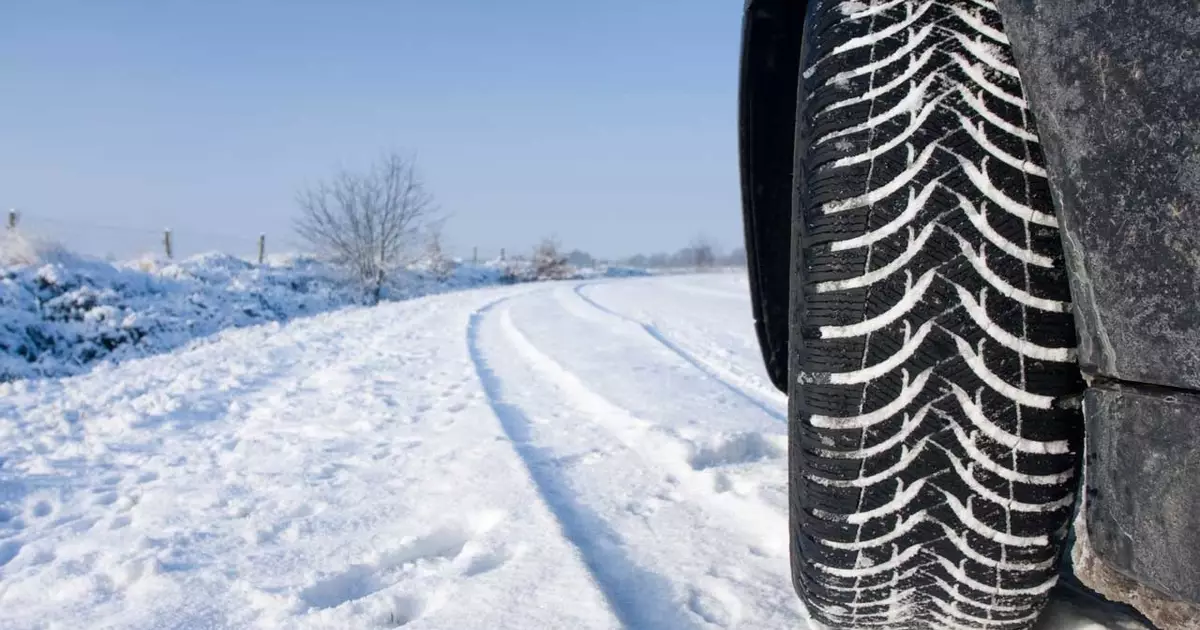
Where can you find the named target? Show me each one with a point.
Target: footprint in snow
(734, 449)
(9, 550)
(328, 471)
(644, 508)
(590, 456)
(41, 509)
(147, 477)
(486, 561)
(361, 580)
(405, 609)
(715, 604)
(303, 510)
(42, 556)
(106, 498)
(761, 552)
(79, 524)
(431, 551)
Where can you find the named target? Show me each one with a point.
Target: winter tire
(933, 452)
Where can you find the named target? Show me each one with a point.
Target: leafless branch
(368, 222)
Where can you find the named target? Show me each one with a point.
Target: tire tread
(949, 448)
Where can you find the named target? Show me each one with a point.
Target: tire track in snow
(637, 597)
(739, 532)
(713, 372)
(673, 455)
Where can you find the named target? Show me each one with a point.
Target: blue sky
(609, 124)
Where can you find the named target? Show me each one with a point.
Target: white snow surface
(585, 455)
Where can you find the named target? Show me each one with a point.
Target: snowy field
(577, 455)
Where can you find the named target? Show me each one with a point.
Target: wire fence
(116, 241)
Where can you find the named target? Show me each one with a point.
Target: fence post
(501, 253)
(262, 247)
(12, 219)
(474, 255)
(167, 241)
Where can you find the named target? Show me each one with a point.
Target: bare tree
(548, 261)
(367, 222)
(440, 264)
(579, 258)
(702, 252)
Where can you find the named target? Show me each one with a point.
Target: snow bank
(60, 316)
(60, 313)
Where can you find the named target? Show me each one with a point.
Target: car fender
(766, 117)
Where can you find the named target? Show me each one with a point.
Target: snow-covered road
(606, 454)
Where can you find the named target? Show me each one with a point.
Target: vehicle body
(1115, 88)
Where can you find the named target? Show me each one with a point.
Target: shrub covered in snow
(18, 248)
(549, 264)
(435, 260)
(60, 313)
(58, 317)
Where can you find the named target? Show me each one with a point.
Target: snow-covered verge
(584, 455)
(60, 314)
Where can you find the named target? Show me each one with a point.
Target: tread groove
(932, 471)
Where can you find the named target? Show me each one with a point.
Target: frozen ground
(584, 455)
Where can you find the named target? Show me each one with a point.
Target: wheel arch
(771, 38)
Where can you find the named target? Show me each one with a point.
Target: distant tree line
(701, 253)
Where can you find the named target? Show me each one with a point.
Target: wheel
(933, 451)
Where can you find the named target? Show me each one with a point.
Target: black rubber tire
(933, 446)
